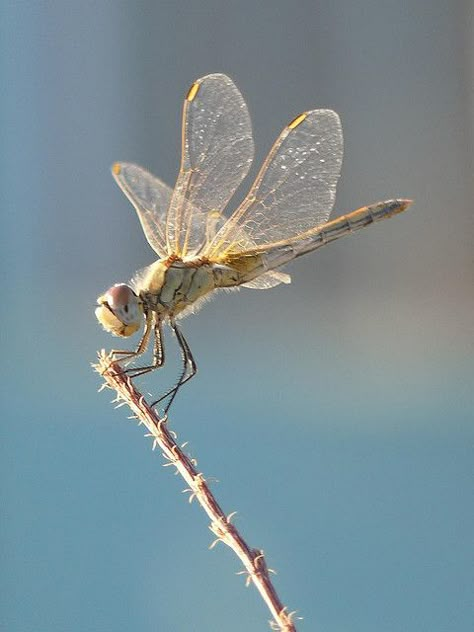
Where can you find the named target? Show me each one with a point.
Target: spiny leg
(158, 354)
(142, 345)
(141, 348)
(189, 367)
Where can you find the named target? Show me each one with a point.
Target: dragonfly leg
(126, 354)
(188, 372)
(158, 355)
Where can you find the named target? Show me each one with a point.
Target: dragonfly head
(120, 311)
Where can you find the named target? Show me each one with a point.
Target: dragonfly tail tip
(405, 203)
(399, 205)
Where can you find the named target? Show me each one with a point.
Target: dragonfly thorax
(170, 288)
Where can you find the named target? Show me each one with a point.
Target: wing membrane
(294, 191)
(267, 280)
(150, 197)
(217, 152)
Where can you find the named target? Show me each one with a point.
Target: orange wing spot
(193, 90)
(297, 121)
(116, 169)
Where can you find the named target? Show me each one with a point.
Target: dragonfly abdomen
(325, 234)
(240, 269)
(360, 219)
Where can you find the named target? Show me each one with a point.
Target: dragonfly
(201, 250)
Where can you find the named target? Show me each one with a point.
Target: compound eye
(123, 302)
(120, 296)
(120, 311)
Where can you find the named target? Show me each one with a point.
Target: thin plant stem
(252, 559)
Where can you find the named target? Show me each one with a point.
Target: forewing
(217, 151)
(150, 197)
(295, 189)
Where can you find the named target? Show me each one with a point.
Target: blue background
(336, 412)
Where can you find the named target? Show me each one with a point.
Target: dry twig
(221, 525)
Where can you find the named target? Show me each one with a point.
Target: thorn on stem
(175, 452)
(230, 516)
(162, 421)
(292, 615)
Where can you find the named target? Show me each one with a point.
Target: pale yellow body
(171, 287)
(283, 216)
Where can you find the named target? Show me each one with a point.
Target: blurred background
(337, 412)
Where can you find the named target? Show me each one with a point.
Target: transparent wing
(150, 197)
(264, 281)
(268, 280)
(294, 190)
(217, 151)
